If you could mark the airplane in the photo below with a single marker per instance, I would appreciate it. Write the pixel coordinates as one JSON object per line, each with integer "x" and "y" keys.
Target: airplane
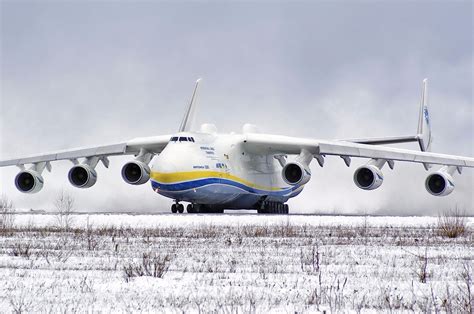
{"x": 213, "y": 171}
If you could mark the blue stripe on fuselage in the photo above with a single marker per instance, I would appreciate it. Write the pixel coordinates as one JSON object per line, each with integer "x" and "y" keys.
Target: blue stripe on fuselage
{"x": 188, "y": 185}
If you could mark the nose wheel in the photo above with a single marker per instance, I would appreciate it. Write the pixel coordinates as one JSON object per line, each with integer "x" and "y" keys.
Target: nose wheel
{"x": 177, "y": 208}
{"x": 196, "y": 209}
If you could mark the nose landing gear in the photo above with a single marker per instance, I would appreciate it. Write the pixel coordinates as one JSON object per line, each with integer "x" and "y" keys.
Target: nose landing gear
{"x": 196, "y": 209}
{"x": 177, "y": 208}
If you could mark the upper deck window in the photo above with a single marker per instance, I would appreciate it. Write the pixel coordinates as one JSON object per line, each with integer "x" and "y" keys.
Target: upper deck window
{"x": 174, "y": 139}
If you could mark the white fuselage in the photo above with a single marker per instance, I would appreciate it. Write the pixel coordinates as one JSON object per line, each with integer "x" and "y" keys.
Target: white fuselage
{"x": 214, "y": 169}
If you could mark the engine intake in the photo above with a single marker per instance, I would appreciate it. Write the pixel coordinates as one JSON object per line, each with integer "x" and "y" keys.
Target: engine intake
{"x": 136, "y": 172}
{"x": 295, "y": 173}
{"x": 29, "y": 181}
{"x": 368, "y": 177}
{"x": 439, "y": 183}
{"x": 82, "y": 176}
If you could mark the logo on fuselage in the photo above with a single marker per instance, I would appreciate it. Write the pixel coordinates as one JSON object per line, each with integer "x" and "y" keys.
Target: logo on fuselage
{"x": 427, "y": 116}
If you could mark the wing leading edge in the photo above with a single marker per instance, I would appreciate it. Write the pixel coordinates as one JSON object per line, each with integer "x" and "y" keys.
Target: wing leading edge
{"x": 276, "y": 144}
{"x": 148, "y": 145}
{"x": 153, "y": 144}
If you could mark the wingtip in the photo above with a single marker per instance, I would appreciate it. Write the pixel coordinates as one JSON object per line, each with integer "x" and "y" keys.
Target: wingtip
{"x": 425, "y": 80}
{"x": 199, "y": 80}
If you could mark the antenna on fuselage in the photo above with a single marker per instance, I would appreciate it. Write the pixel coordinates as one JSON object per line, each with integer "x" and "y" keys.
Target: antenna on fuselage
{"x": 189, "y": 114}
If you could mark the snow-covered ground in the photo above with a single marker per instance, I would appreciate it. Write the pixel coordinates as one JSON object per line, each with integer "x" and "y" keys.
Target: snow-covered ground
{"x": 234, "y": 263}
{"x": 182, "y": 220}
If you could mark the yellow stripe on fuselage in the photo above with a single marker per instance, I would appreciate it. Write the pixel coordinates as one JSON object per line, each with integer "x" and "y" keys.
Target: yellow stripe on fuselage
{"x": 176, "y": 177}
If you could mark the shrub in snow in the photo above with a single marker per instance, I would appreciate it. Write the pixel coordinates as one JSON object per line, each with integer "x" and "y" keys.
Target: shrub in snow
{"x": 22, "y": 250}
{"x": 154, "y": 265}
{"x": 452, "y": 223}
{"x": 64, "y": 204}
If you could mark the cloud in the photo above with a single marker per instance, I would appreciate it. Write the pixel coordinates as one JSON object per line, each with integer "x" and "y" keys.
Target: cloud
{"x": 75, "y": 74}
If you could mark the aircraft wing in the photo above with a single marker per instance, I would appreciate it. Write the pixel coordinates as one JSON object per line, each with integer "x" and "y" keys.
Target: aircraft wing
{"x": 275, "y": 144}
{"x": 152, "y": 145}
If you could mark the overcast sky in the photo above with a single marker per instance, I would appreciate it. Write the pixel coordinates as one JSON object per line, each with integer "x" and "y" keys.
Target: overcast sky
{"x": 79, "y": 74}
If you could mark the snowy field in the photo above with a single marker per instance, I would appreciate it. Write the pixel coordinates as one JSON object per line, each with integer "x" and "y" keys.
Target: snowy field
{"x": 234, "y": 263}
{"x": 233, "y": 219}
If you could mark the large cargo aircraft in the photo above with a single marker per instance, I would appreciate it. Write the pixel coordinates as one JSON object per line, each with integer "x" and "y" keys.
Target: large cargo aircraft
{"x": 214, "y": 171}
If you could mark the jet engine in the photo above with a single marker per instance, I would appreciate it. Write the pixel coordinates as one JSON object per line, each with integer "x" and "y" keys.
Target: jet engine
{"x": 136, "y": 172}
{"x": 294, "y": 173}
{"x": 82, "y": 176}
{"x": 368, "y": 177}
{"x": 440, "y": 183}
{"x": 29, "y": 181}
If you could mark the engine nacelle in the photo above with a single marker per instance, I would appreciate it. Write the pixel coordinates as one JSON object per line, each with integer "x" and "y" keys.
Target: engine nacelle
{"x": 82, "y": 176}
{"x": 136, "y": 172}
{"x": 439, "y": 183}
{"x": 29, "y": 181}
{"x": 295, "y": 173}
{"x": 368, "y": 177}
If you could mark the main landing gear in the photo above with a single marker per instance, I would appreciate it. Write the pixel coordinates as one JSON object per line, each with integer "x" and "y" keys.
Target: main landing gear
{"x": 265, "y": 208}
{"x": 274, "y": 208}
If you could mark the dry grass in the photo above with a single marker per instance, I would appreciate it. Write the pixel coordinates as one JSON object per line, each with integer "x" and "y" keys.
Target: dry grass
{"x": 154, "y": 265}
{"x": 7, "y": 211}
{"x": 452, "y": 223}
{"x": 248, "y": 267}
{"x": 21, "y": 249}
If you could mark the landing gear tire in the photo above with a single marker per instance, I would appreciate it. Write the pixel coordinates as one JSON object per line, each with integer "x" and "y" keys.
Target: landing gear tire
{"x": 174, "y": 210}
{"x": 204, "y": 209}
{"x": 190, "y": 209}
{"x": 180, "y": 208}
{"x": 273, "y": 208}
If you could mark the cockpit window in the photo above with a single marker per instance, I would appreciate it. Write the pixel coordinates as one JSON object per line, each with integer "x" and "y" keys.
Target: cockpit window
{"x": 182, "y": 139}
